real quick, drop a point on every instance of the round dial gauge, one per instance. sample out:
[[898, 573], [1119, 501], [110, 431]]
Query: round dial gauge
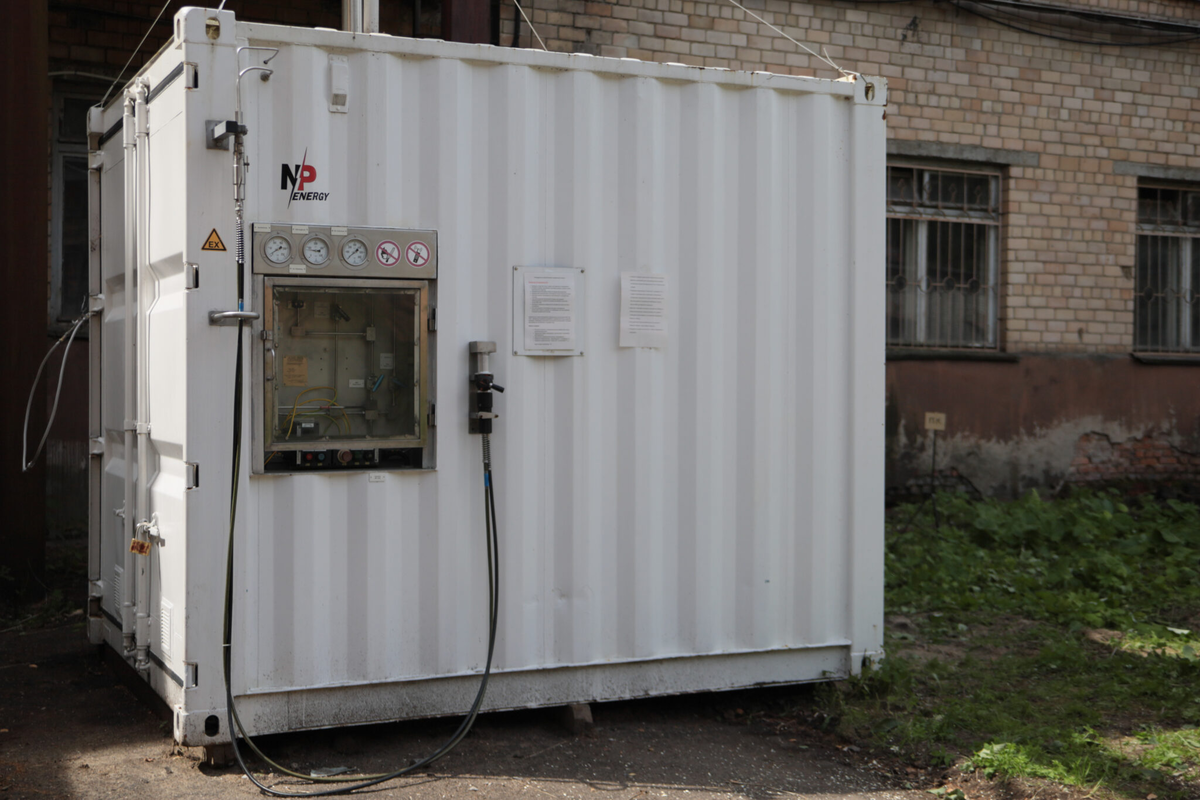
[[316, 250], [354, 252], [278, 249]]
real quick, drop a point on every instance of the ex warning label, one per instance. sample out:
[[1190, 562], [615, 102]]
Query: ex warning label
[[213, 242]]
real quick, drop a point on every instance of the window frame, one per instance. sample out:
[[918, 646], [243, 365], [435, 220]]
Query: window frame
[[62, 149], [1184, 339], [992, 218]]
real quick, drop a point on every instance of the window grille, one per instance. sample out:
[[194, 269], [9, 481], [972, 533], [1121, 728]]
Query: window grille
[[943, 254], [1166, 314]]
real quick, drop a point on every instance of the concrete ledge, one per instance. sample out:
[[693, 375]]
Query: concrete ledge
[[1167, 359], [935, 354], [1188, 174], [961, 152]]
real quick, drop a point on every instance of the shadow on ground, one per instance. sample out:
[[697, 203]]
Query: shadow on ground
[[69, 727]]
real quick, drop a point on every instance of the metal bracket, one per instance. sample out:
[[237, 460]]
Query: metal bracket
[[97, 446], [192, 473], [191, 275], [230, 317], [95, 303], [220, 131]]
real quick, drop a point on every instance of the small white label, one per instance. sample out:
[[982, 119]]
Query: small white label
[[337, 230], [358, 383], [262, 227], [297, 269], [299, 229], [375, 477], [387, 360]]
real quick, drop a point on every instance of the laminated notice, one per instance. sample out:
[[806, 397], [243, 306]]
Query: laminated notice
[[550, 311], [643, 310], [295, 371]]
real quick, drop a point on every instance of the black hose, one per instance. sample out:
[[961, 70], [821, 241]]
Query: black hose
[[233, 722]]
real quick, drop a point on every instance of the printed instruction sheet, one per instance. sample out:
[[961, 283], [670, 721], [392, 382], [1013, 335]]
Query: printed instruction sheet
[[550, 311], [643, 309]]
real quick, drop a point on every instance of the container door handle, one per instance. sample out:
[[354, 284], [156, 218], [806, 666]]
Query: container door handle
[[226, 317]]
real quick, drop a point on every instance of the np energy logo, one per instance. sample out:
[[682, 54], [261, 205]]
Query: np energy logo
[[295, 179]]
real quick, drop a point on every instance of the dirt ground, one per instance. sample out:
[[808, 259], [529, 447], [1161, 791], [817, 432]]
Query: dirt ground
[[71, 728]]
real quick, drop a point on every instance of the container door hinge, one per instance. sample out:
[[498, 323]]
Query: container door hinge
[[191, 275], [96, 160], [432, 319], [96, 446], [192, 475], [433, 415], [96, 303]]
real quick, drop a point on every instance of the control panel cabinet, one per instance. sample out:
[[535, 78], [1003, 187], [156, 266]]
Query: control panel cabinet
[[343, 380]]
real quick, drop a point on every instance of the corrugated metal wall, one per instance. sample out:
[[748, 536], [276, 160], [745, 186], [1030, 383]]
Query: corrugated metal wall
[[692, 500]]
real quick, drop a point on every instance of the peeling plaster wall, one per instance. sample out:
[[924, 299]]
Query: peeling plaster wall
[[1012, 426]]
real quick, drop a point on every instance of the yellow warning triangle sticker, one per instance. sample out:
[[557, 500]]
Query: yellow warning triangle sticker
[[213, 242]]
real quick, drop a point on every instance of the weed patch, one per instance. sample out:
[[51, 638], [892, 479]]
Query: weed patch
[[1039, 640]]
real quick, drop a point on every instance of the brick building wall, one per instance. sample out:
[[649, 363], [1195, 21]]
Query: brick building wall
[[1079, 120], [1071, 129]]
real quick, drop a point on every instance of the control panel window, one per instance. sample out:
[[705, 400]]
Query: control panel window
[[346, 376]]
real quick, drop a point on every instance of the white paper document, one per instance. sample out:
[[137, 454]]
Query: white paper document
[[643, 309], [550, 311]]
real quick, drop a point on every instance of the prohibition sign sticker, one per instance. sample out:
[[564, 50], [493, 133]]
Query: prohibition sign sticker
[[388, 253], [417, 254]]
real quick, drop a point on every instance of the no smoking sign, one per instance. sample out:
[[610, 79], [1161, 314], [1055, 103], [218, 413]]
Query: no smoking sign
[[388, 253], [417, 254]]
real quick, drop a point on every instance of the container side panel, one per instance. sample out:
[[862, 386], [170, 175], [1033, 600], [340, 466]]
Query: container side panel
[[687, 500], [166, 306]]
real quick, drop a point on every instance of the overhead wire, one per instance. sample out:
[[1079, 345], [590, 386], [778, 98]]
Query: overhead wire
[[133, 55], [824, 58], [968, 8], [530, 24], [1022, 24]]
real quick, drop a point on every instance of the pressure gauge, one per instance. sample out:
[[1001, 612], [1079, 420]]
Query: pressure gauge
[[278, 249], [354, 252], [316, 251]]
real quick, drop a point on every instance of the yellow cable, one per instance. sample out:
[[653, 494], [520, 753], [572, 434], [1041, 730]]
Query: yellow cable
[[295, 403], [331, 400]]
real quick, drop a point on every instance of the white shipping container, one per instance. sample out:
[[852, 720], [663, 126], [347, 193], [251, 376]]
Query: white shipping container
[[705, 514]]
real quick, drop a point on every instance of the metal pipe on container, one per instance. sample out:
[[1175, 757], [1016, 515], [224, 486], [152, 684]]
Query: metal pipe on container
[[143, 388], [127, 618], [360, 16]]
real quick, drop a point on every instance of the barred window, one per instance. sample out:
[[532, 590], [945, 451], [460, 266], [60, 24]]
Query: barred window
[[1166, 314], [943, 255]]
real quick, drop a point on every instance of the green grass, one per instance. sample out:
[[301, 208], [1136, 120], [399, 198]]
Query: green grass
[[1037, 639]]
